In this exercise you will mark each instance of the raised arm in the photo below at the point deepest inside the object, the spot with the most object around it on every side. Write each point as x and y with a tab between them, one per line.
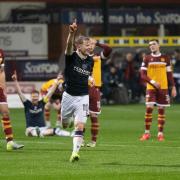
21	95
70	40
1	61
106	50
53	88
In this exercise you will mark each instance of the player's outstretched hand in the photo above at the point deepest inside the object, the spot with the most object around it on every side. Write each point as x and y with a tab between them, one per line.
14	76
73	27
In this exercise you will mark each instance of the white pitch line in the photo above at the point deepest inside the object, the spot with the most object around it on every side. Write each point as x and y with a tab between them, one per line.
133	145
104	145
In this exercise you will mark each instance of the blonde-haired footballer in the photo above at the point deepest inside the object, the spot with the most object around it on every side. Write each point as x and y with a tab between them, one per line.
75	99
157	72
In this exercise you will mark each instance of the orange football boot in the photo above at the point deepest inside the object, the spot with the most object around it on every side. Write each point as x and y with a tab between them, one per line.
160	137
145	137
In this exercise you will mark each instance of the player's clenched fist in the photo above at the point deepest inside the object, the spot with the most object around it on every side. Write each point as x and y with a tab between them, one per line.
73	27
14	76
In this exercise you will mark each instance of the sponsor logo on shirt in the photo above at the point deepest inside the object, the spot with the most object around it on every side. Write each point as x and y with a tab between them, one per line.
35	111
81	71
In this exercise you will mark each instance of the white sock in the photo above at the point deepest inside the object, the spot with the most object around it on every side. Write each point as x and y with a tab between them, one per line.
48	124
147	131
60	132
160	133
10	142
34	132
58	123
77	141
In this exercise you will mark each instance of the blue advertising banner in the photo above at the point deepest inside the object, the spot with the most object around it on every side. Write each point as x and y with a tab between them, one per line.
32	70
122	16
95	16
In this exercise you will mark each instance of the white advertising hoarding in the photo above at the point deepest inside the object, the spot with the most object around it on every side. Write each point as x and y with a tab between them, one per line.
29	38
26	88
6	7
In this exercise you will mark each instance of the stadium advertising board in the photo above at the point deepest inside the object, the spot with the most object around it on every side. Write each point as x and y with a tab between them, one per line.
34	16
32	70
95	16
121	16
30	39
26	87
138	41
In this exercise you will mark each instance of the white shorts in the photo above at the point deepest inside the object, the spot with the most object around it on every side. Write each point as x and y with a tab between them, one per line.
74	106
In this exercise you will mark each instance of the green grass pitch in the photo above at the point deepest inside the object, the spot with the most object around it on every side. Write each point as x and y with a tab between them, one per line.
119	153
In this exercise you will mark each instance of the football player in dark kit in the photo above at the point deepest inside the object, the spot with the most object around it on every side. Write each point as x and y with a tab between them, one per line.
34	111
75	99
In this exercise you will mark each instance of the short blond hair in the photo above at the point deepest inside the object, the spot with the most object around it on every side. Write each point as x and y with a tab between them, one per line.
80	39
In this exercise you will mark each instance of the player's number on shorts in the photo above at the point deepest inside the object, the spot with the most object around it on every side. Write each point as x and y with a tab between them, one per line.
85	107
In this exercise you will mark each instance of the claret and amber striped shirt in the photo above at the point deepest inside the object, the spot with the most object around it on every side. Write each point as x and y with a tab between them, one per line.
157	68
